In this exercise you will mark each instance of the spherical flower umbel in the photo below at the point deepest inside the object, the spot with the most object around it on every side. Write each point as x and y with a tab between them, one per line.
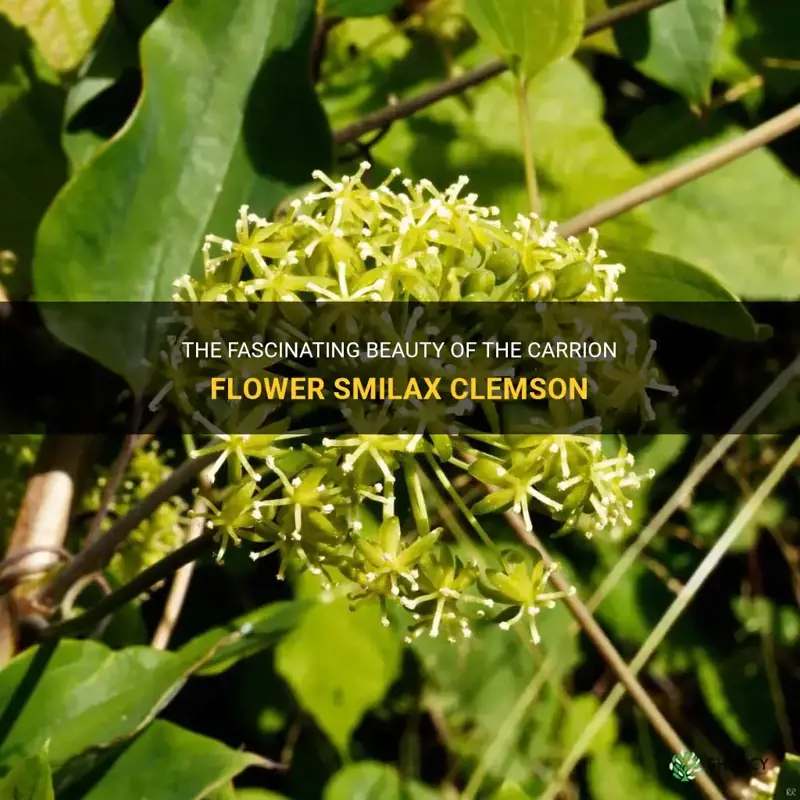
331	498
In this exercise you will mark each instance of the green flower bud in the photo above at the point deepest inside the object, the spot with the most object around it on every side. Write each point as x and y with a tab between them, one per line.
479	282
571	280
504	263
540	286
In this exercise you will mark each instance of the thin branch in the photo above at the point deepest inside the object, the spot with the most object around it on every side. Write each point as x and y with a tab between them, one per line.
527	145
115	476
684	173
139	585
699	577
405	108
183	577
98	554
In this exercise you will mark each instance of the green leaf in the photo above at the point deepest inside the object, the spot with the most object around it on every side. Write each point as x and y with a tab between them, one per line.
510	791
63	30
80	694
621	769
580	711
29	779
685	292
370	780
358	8
740	222
676	44
133	220
32	165
528	36
362	659
788	777
167	762
246	635
364	781
736	690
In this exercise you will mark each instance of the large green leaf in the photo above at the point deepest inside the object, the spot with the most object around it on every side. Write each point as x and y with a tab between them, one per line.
63	30
167	762
32	166
30	779
528	36
676	44
133	220
78	695
683	291
740	222
360	660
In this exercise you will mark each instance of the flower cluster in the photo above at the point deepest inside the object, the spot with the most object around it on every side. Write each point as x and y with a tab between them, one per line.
159	534
17	454
329	497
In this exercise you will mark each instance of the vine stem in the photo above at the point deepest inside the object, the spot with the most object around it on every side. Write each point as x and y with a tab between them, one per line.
98	554
527	144
405	108
183	577
707	566
130	591
684	173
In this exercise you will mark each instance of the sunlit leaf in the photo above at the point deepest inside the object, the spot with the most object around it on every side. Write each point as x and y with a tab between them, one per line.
684	292
740	222
338	695
63	30
528	36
